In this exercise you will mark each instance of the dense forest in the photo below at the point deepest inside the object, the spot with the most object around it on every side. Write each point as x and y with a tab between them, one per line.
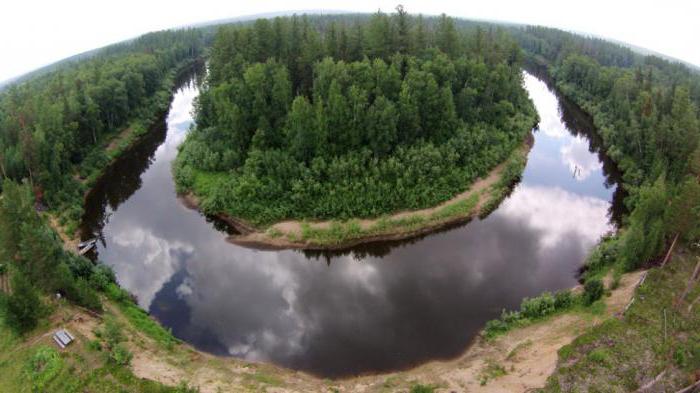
321	118
54	128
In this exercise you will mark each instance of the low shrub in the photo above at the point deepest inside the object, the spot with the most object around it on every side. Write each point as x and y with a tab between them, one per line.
592	290
538	307
531	309
418	388
601	356
603	256
44	366
120	355
564	300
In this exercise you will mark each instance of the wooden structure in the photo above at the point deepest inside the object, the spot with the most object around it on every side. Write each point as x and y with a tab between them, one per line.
86	246
63	338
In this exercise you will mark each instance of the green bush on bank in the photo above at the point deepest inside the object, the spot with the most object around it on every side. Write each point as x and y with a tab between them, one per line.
534	309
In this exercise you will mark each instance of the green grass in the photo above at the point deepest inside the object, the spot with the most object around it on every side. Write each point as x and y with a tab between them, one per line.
266	379
512	172
140	320
491	370
340	232
621	355
41	368
518	348
418	388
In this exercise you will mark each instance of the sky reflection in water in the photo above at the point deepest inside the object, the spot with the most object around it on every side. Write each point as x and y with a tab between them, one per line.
423	300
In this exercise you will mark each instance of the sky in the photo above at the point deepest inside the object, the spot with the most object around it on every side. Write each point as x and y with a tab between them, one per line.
36	33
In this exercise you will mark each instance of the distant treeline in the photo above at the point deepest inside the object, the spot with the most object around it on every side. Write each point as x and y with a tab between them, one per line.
55	127
345	116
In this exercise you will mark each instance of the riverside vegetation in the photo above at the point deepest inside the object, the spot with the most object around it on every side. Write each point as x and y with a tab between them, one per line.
278	159
59	130
646	110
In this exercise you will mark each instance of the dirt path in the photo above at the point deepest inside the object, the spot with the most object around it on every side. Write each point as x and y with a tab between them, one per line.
528	356
70	241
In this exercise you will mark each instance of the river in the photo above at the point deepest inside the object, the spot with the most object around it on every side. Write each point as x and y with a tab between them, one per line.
374	308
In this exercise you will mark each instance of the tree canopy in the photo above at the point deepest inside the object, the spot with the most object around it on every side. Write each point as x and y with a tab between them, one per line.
336	118
54	127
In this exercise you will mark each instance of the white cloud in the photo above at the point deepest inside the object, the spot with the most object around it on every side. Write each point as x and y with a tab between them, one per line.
34	32
580	161
157	262
558	213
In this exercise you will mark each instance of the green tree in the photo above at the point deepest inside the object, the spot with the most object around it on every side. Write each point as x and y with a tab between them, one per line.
683	215
446	36
301	130
382	119
16	210
420	36
402	29
644	239
379	36
23	307
337	118
358	102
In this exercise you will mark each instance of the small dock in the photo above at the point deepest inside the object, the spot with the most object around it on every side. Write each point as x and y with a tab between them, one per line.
86	246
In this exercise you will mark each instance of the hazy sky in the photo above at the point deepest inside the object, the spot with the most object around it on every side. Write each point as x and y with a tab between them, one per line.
35	33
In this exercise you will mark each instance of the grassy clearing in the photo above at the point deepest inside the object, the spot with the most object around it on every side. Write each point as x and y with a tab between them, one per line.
33	364
657	334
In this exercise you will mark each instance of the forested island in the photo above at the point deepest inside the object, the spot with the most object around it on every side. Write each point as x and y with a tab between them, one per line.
338	117
319	120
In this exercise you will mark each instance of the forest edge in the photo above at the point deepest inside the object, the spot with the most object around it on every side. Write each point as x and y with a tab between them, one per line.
479	199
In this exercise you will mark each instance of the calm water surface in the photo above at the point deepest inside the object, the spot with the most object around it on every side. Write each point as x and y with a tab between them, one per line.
375	308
